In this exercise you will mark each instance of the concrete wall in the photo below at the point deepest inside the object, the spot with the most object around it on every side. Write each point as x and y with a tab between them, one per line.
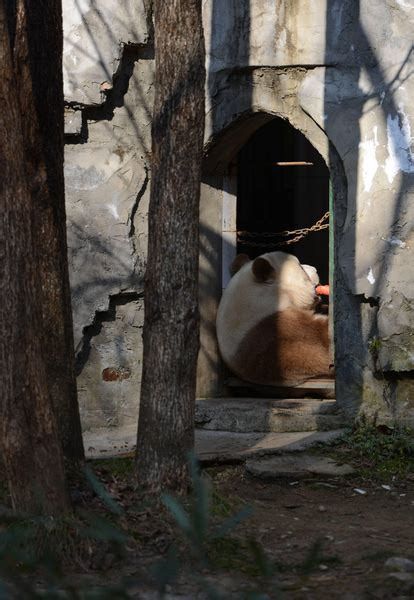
341	72
108	67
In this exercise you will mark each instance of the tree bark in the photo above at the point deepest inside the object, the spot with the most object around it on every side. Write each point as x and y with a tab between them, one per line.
171	325
37	39
31	451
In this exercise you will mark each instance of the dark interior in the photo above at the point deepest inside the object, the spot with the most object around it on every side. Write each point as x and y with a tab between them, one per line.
274	198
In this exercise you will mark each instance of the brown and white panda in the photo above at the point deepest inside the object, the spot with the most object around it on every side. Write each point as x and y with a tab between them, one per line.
267	329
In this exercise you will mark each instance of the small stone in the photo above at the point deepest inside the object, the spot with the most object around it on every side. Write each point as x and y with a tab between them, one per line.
323	567
321	508
400	563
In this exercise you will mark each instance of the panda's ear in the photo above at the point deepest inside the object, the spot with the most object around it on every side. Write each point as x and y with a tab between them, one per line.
263	270
238	262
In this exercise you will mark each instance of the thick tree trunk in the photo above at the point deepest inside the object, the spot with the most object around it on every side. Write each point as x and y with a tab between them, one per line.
30	447
171	326
37	54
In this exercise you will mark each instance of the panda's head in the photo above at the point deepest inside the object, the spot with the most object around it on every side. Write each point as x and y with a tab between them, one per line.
279	277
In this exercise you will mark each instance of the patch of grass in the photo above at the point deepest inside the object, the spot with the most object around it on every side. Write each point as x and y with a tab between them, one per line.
118	467
220	506
248	556
378	451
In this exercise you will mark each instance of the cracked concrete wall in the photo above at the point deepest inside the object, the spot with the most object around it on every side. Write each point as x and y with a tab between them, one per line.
108	68
110	364
341	71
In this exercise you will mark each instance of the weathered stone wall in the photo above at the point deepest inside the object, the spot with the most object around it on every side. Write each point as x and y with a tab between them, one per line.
341	72
108	68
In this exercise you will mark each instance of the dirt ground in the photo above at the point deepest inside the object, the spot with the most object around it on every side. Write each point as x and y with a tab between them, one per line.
355	533
313	538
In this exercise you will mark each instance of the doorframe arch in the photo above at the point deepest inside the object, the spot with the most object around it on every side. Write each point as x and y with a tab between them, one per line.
219	188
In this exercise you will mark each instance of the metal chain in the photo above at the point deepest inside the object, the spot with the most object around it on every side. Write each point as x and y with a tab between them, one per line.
298	233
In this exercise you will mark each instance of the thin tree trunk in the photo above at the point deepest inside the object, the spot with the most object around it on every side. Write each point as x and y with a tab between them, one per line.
30	447
171	326
37	52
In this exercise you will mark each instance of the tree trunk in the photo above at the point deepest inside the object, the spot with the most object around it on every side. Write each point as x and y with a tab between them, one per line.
37	53
171	326
30	446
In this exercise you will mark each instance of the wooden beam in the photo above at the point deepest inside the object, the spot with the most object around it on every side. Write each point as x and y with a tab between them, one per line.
294	163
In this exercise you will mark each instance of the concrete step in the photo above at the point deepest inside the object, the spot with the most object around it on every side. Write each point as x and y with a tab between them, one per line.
214	447
210	446
244	415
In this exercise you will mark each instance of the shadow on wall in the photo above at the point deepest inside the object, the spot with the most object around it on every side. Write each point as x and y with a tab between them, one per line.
357	314
109	351
99	45
106	228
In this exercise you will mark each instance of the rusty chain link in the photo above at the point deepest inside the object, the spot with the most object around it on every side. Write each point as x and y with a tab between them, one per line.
298	233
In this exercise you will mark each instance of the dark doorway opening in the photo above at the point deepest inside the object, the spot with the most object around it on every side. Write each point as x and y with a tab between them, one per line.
282	184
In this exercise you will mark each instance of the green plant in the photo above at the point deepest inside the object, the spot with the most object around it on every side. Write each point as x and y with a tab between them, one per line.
195	523
207	542
374	345
41	547
379	449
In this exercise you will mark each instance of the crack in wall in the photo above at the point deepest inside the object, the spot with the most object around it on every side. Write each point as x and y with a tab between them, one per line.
131	219
115	95
369	300
95	328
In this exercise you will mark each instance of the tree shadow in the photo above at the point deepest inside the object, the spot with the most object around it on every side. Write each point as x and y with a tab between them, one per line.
356	304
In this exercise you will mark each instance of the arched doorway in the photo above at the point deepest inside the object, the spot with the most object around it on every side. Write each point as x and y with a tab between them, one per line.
275	192
244	190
